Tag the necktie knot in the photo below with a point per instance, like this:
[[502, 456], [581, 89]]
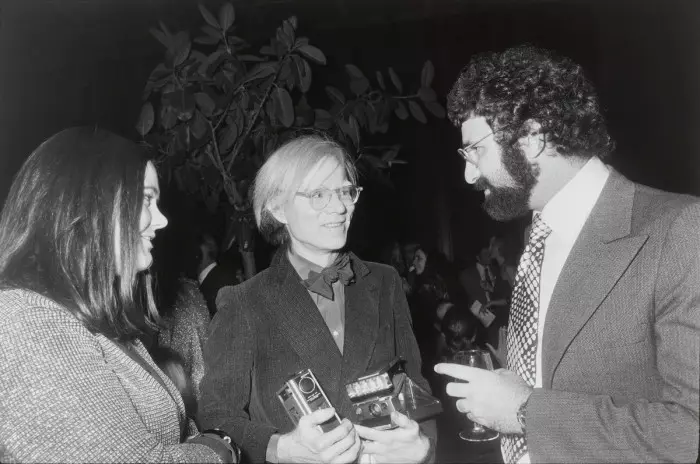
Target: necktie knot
[[540, 230], [322, 282]]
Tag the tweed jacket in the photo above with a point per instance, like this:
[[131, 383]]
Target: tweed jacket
[[621, 342], [68, 395], [269, 328]]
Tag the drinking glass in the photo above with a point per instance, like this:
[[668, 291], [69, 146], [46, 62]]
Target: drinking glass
[[482, 360]]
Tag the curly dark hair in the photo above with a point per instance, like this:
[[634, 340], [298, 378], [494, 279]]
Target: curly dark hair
[[528, 83]]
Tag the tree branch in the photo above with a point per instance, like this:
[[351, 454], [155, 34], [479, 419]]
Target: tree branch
[[239, 142]]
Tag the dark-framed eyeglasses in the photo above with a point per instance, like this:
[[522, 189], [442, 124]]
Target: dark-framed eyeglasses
[[319, 198]]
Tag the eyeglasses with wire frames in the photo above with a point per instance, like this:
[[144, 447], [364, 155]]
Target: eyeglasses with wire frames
[[319, 198], [473, 153]]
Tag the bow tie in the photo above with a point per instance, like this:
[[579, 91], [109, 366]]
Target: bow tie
[[322, 283]]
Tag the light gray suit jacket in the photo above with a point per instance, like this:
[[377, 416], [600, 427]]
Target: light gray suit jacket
[[621, 343]]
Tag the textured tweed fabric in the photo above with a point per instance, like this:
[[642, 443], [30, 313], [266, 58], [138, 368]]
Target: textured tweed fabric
[[72, 396]]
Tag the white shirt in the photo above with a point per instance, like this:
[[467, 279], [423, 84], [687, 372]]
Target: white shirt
[[565, 214]]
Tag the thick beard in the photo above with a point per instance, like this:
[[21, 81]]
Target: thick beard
[[507, 203]]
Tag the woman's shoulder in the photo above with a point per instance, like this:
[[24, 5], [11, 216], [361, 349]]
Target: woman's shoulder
[[29, 318], [25, 306]]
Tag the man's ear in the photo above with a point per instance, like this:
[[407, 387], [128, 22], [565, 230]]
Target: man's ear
[[534, 143], [277, 211]]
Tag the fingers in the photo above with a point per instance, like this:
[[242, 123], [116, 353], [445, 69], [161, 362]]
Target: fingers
[[407, 430], [318, 417], [367, 433], [336, 450], [458, 389], [404, 422], [350, 454], [338, 434], [460, 372]]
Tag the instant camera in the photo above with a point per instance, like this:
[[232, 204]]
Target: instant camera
[[376, 395]]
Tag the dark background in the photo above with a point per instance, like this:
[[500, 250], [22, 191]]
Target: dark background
[[70, 62]]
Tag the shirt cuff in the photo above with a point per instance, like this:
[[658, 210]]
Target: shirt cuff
[[271, 453]]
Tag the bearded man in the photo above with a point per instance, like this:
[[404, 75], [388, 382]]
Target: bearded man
[[603, 352]]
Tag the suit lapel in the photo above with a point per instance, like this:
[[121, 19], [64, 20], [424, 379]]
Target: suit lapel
[[361, 320], [303, 326], [601, 254]]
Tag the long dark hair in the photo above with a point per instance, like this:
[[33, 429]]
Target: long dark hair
[[76, 195]]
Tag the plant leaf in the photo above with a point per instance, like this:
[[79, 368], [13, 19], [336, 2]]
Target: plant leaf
[[395, 79], [267, 50], [208, 17], [250, 58], [146, 119], [168, 117], [260, 70], [323, 119], [198, 125], [205, 103], [304, 73], [289, 31], [355, 131], [380, 80], [417, 111], [313, 53], [228, 138], [335, 94], [226, 16], [436, 108], [427, 94], [285, 107], [359, 86], [206, 40], [160, 36], [427, 74], [375, 162], [354, 71], [401, 111], [180, 48]]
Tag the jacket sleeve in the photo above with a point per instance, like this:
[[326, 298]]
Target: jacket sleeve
[[61, 402], [562, 426], [407, 348], [229, 358]]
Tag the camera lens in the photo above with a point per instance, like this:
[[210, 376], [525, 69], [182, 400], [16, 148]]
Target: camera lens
[[306, 385], [375, 409]]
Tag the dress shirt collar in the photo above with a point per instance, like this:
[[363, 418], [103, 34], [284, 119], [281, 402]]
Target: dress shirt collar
[[205, 272], [568, 210], [302, 265]]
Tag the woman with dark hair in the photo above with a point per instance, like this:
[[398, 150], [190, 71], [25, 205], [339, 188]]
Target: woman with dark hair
[[317, 306], [75, 296]]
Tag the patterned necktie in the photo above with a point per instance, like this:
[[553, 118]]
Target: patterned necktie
[[522, 326], [322, 282]]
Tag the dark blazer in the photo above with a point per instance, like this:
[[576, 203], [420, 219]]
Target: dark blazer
[[219, 277], [621, 343], [268, 328]]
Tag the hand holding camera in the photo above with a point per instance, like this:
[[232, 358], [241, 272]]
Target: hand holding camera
[[403, 444], [307, 442]]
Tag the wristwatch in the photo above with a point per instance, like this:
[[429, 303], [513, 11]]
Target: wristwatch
[[235, 450], [521, 413]]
